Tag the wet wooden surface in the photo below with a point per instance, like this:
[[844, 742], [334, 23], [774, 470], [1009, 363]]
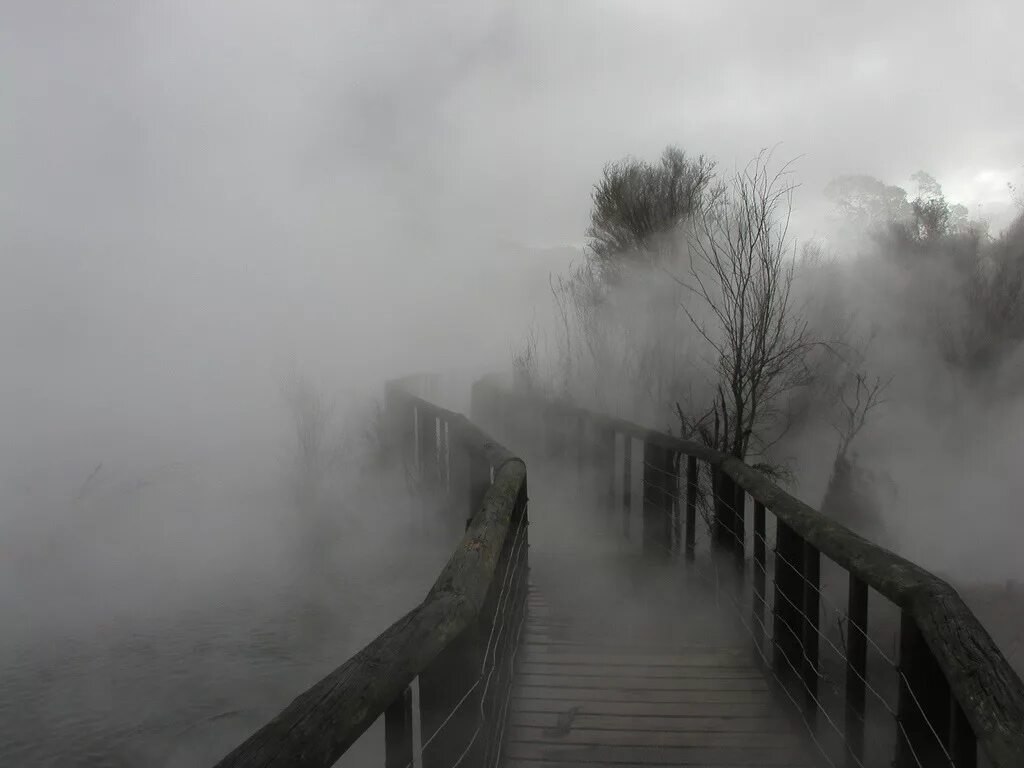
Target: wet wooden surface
[[586, 698]]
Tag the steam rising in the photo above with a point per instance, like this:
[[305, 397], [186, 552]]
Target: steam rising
[[202, 202]]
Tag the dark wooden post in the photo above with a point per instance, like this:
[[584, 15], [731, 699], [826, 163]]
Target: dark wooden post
[[398, 732], [657, 520], [856, 669], [811, 604], [757, 620], [739, 526], [725, 510], [923, 708], [963, 744], [691, 506], [627, 481], [788, 601]]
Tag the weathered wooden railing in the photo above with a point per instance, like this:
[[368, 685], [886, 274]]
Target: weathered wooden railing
[[459, 643], [954, 691]]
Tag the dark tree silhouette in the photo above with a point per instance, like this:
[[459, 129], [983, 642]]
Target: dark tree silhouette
[[638, 206], [742, 272]]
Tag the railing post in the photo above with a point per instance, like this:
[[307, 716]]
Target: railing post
[[788, 601], [923, 707], [657, 520], [856, 669], [963, 744], [811, 605], [739, 526], [691, 506], [398, 732], [724, 492], [757, 620]]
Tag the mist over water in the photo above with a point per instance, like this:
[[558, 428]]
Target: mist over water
[[201, 203]]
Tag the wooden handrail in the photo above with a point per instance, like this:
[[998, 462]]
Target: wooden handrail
[[324, 721], [987, 688]]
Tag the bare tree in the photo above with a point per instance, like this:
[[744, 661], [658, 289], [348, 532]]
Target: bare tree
[[741, 271], [566, 358], [852, 493], [525, 362], [857, 398]]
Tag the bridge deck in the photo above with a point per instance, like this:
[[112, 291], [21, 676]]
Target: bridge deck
[[586, 701], [628, 660]]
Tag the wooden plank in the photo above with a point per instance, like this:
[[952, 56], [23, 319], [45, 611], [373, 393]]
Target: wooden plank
[[637, 671], [599, 657], [638, 724], [624, 738], [654, 697], [602, 754], [702, 708], [630, 683], [585, 700], [640, 647], [597, 642]]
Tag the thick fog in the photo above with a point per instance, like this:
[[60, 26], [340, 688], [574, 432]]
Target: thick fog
[[202, 204], [199, 199]]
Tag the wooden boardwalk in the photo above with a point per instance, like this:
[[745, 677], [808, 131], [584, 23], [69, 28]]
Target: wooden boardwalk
[[644, 605], [579, 701], [644, 608]]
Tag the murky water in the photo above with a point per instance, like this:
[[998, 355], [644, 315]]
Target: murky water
[[142, 658]]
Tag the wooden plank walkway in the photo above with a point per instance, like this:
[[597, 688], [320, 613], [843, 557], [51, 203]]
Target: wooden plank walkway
[[580, 702]]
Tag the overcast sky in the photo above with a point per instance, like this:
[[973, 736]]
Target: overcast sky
[[498, 113], [192, 191]]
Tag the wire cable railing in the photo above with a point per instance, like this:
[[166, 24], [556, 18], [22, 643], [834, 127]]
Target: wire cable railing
[[458, 646], [945, 697]]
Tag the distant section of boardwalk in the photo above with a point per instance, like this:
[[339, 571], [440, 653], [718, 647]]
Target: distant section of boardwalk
[[579, 702]]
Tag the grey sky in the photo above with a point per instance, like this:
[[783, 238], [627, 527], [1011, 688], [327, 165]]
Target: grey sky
[[499, 113], [195, 191]]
